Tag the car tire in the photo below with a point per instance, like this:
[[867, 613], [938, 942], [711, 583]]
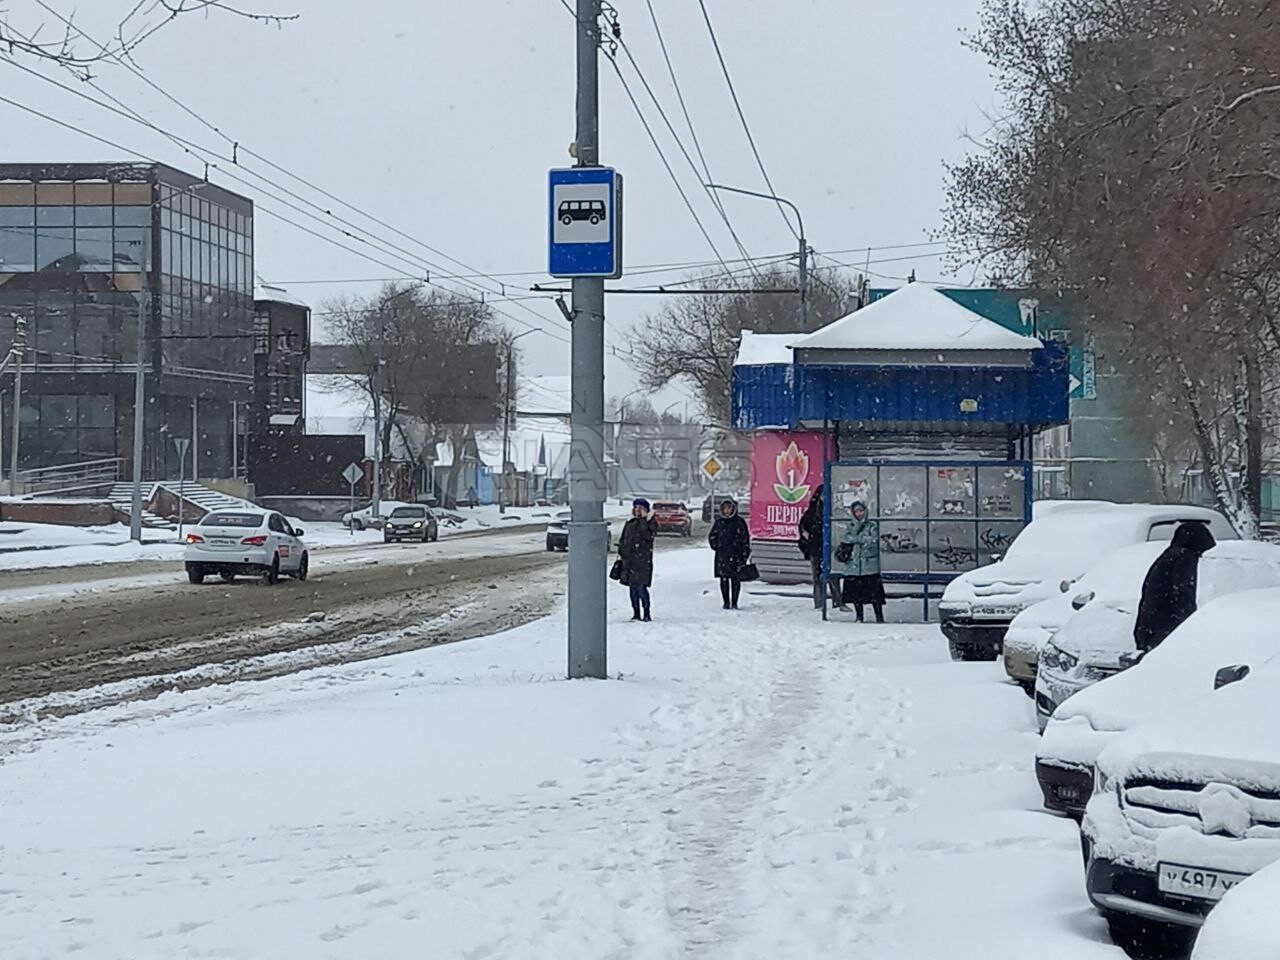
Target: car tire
[[301, 575], [195, 574], [1144, 939], [969, 654], [272, 575], [357, 524], [227, 576], [550, 547], [435, 535]]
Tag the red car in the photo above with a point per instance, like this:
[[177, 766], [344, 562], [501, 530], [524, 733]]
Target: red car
[[674, 518]]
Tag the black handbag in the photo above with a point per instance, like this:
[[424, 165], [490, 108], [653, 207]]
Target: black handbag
[[748, 572], [616, 572], [844, 552]]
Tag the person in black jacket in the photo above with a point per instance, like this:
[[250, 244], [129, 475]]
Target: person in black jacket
[[1169, 590], [731, 540], [635, 550], [811, 541]]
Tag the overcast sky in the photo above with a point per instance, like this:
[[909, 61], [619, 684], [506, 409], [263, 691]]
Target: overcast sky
[[443, 118]]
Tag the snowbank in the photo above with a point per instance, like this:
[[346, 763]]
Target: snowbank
[[1246, 924]]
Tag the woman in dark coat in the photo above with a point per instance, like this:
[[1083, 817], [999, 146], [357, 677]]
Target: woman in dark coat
[[635, 550], [731, 540], [811, 540], [1169, 590], [859, 551]]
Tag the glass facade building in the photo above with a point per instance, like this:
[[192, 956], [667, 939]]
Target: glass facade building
[[79, 243]]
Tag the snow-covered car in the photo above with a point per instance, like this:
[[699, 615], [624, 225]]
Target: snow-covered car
[[558, 532], [366, 519], [1108, 580], [413, 521], [1097, 537], [228, 543], [1097, 642], [1237, 628], [1186, 806], [1245, 924]]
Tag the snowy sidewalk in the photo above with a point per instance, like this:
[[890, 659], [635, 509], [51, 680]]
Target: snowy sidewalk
[[758, 784]]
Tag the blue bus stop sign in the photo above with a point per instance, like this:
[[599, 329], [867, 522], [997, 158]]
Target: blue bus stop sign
[[585, 219]]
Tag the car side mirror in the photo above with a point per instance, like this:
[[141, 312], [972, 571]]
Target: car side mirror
[[1065, 585], [1230, 675], [1081, 599], [299, 532], [1132, 658]]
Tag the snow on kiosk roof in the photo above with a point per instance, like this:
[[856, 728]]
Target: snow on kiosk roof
[[915, 317], [763, 349]]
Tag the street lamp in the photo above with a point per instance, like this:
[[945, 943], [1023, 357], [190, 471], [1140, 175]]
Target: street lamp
[[508, 414], [804, 249]]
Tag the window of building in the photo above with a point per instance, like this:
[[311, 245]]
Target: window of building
[[93, 216], [93, 249], [54, 248], [55, 216], [17, 249]]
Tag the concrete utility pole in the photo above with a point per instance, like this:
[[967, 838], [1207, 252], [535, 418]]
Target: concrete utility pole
[[588, 534], [377, 417], [139, 395], [804, 246]]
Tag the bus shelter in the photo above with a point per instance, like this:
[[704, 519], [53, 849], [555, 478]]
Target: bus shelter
[[927, 411]]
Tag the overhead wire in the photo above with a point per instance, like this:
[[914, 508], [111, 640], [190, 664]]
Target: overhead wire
[[237, 148], [751, 140]]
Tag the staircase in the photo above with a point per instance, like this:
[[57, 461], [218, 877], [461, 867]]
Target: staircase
[[203, 497], [121, 498]]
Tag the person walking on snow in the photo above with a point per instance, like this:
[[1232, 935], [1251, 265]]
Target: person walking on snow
[[859, 551], [1169, 590], [731, 540], [635, 550], [811, 543]]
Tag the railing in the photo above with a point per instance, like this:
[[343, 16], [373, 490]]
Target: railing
[[71, 477]]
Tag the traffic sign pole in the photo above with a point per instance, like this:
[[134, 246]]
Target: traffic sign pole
[[352, 474], [589, 553]]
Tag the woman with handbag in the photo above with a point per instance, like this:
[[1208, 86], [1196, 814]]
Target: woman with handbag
[[635, 558], [731, 540], [859, 552]]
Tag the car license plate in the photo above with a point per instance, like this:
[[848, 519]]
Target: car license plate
[[221, 541], [995, 611], [1196, 882]]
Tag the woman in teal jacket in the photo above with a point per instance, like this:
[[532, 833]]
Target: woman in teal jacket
[[859, 551]]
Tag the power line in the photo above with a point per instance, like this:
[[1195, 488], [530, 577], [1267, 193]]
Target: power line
[[267, 210], [202, 153], [129, 65], [663, 157], [724, 67], [704, 176]]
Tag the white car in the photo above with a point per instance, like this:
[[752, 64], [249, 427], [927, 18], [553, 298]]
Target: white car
[[1237, 628], [366, 519], [1186, 807], [1245, 924], [558, 533], [1067, 544], [1108, 580], [1097, 642], [228, 543]]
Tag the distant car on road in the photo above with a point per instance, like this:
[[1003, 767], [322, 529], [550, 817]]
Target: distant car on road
[[558, 532], [672, 517], [411, 522], [230, 543], [365, 519]]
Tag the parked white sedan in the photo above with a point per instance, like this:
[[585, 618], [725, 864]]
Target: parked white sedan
[[245, 542]]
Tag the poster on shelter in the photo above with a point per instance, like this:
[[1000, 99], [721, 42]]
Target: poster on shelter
[[785, 470]]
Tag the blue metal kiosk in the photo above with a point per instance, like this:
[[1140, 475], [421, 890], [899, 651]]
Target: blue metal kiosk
[[932, 409]]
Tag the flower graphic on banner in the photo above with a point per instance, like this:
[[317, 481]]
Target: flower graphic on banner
[[792, 467]]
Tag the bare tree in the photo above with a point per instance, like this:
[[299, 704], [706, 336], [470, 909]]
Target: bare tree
[[430, 386], [1134, 166], [61, 40], [694, 338]]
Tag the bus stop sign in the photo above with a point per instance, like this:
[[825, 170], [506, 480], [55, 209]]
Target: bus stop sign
[[585, 222]]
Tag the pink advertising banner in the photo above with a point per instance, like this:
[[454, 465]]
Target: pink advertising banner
[[785, 470]]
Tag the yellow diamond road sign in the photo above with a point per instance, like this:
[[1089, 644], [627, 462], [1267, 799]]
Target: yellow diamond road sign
[[712, 467]]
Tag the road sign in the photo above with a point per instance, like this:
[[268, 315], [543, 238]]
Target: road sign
[[585, 220], [353, 473], [1083, 376], [712, 467]]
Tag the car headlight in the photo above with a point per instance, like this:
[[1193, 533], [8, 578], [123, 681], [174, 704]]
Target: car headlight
[[1058, 658], [417, 524]]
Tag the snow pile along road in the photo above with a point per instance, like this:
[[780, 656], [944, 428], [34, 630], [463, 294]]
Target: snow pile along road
[[757, 784]]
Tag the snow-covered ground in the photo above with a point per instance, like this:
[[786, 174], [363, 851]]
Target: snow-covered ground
[[752, 784]]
